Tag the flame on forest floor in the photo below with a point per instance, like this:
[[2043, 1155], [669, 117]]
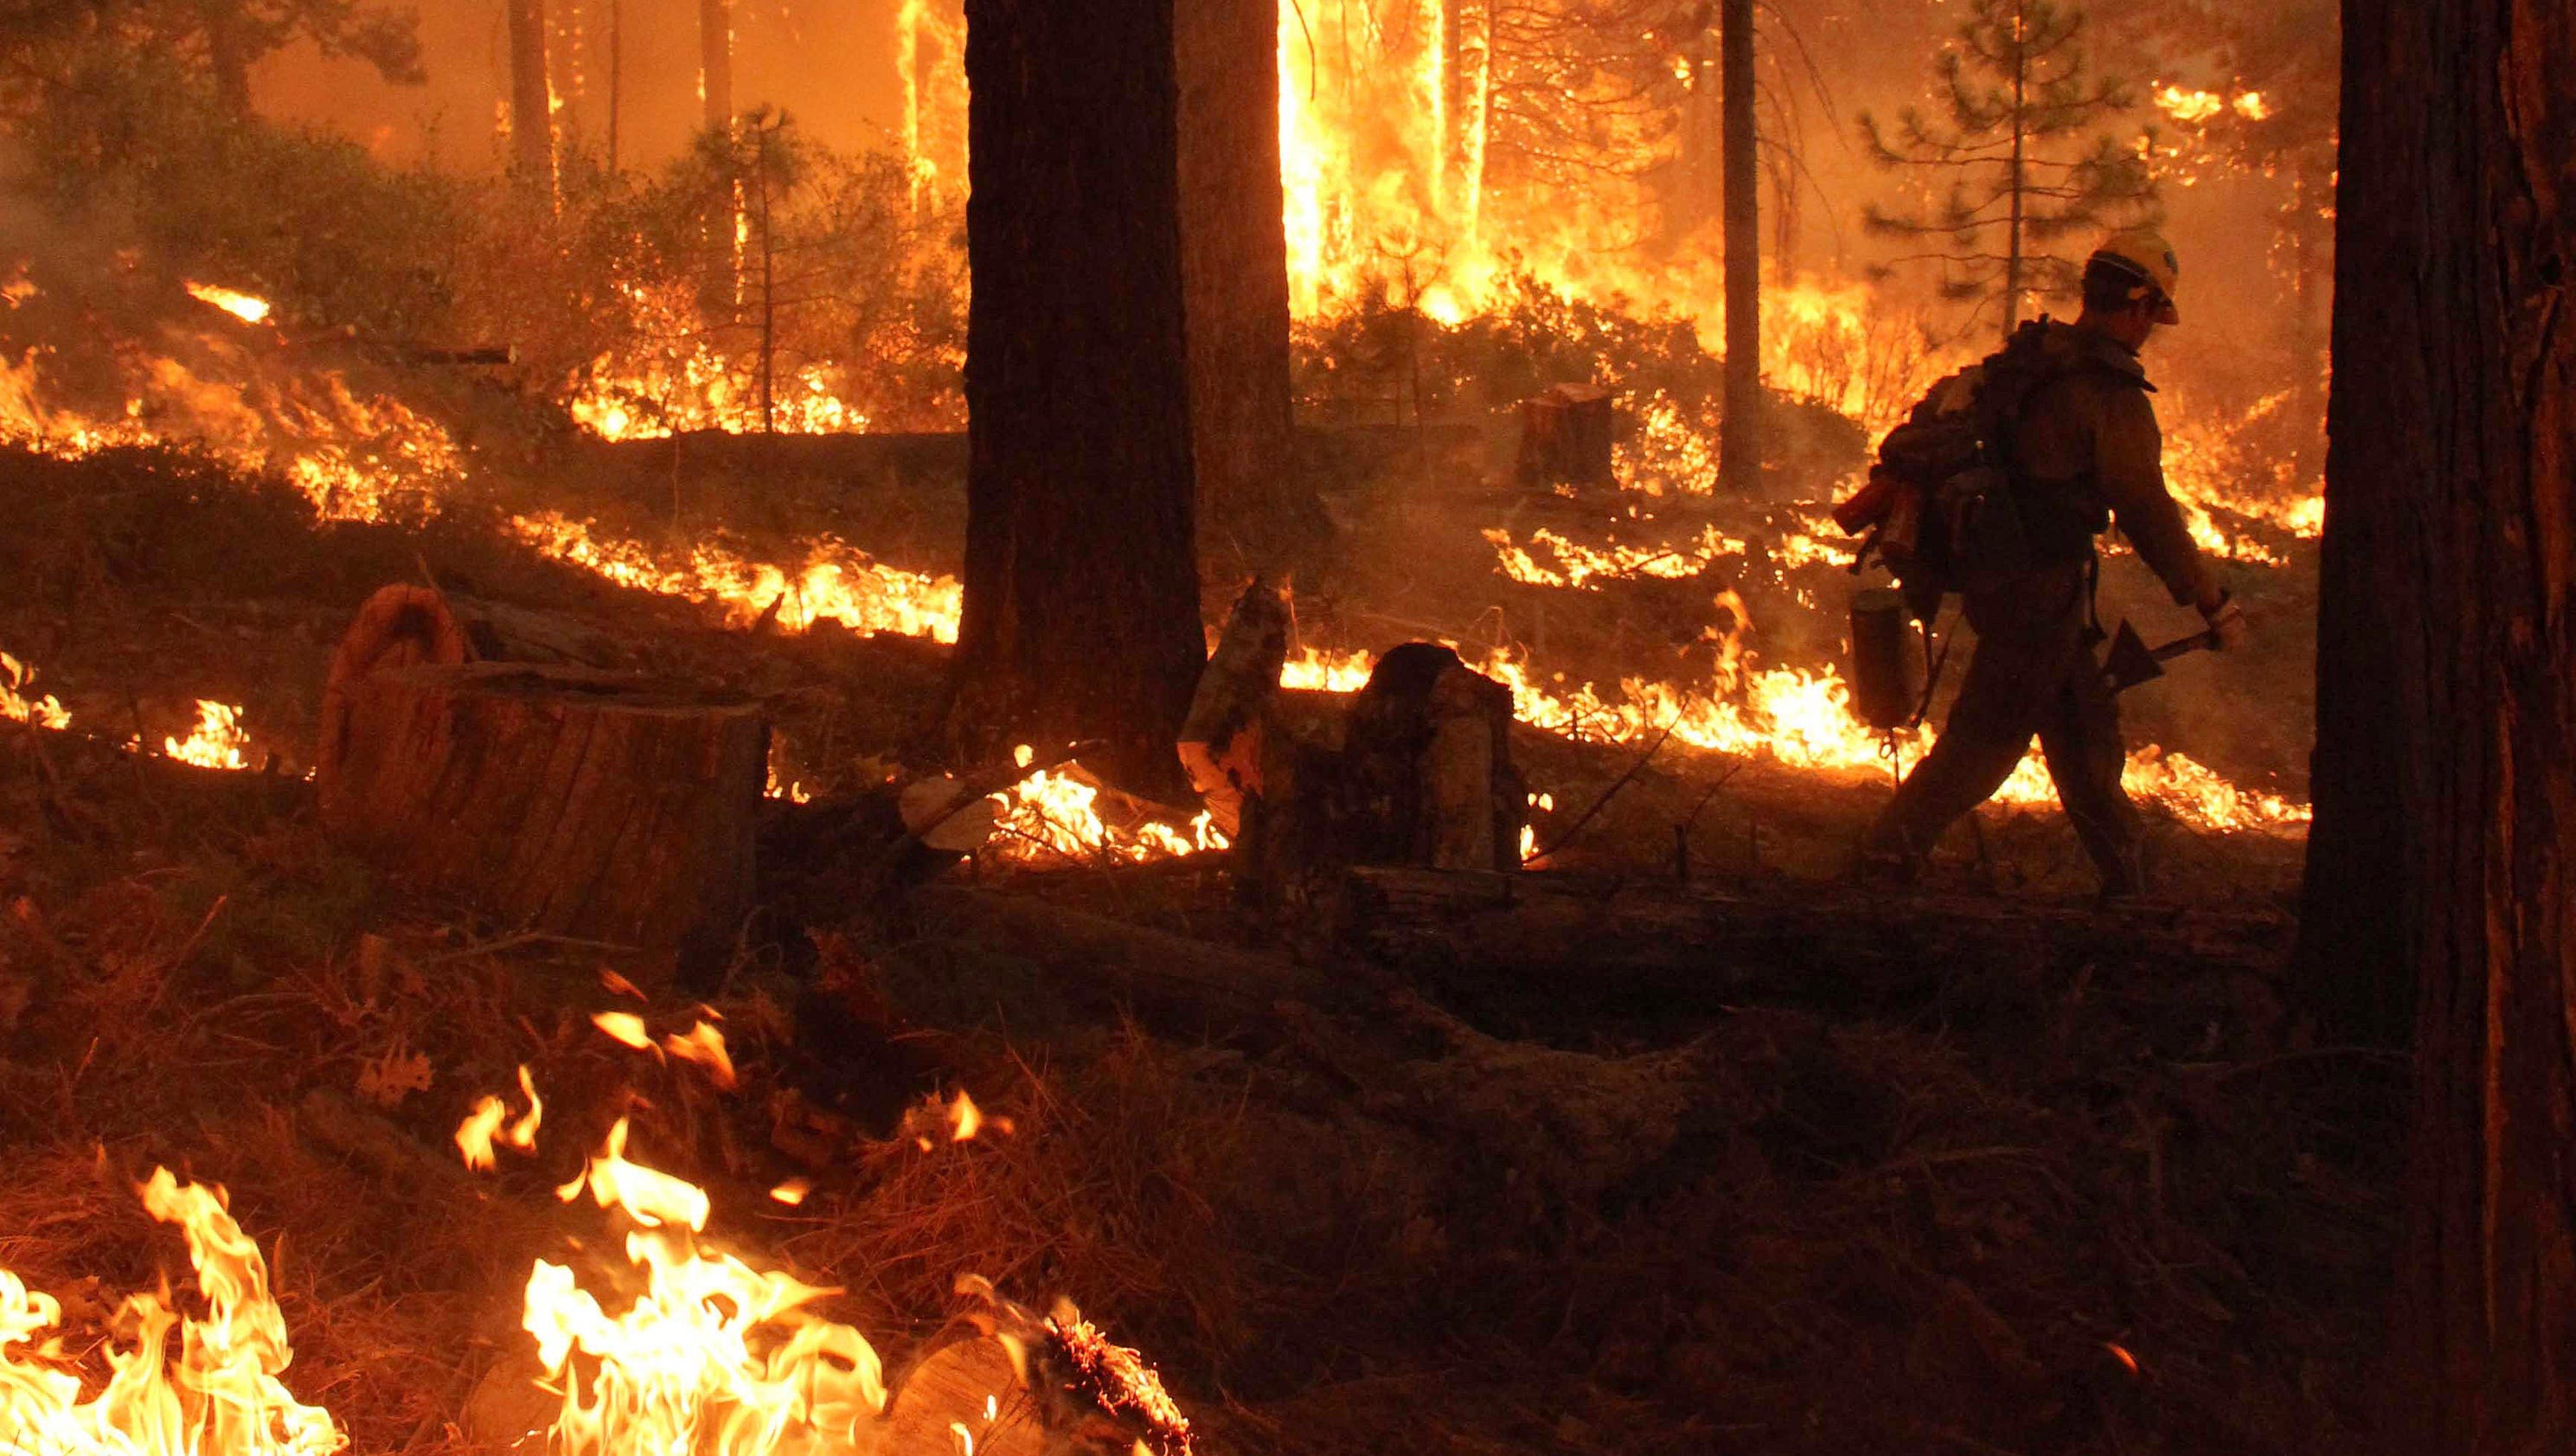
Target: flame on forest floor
[[249, 308], [21, 703], [218, 1393], [216, 742], [1803, 720], [837, 583], [490, 1125], [1057, 816], [711, 1355]]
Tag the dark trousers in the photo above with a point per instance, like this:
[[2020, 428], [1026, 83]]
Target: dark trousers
[[2033, 674]]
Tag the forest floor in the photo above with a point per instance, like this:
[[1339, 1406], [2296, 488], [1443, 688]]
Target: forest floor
[[1971, 1168]]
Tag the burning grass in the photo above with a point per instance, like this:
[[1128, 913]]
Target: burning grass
[[1867, 1225]]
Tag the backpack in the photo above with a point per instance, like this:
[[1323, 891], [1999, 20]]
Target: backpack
[[1939, 504]]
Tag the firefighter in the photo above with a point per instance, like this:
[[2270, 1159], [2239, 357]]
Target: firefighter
[[2084, 452]]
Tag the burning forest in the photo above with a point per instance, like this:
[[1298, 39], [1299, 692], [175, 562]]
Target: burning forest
[[939, 727]]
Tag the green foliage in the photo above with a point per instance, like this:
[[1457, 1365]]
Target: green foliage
[[138, 154], [2017, 164], [215, 42], [1532, 337]]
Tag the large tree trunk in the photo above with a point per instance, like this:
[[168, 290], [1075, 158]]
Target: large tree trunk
[[228, 54], [532, 118], [1740, 442], [1081, 615], [1234, 267], [715, 63], [2446, 752]]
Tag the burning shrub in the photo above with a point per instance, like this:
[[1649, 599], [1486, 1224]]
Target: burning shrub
[[762, 256]]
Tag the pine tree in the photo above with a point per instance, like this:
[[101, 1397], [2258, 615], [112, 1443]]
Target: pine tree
[[2026, 164]]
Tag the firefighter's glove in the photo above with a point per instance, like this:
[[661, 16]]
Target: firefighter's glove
[[2227, 630]]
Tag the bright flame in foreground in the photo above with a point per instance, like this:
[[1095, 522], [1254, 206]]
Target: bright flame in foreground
[[712, 1358], [218, 1396]]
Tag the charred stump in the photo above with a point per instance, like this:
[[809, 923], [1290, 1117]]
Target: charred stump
[[1230, 717], [1423, 776], [566, 800], [1566, 435], [412, 626]]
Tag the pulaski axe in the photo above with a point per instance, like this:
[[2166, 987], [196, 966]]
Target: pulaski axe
[[2131, 661]]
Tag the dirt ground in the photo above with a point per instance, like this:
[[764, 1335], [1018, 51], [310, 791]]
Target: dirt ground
[[1969, 1169]]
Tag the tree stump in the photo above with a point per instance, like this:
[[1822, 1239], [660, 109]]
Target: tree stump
[[1424, 777], [566, 800], [1565, 436], [405, 626]]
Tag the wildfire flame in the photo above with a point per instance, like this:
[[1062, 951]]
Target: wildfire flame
[[484, 1127], [837, 582], [246, 307], [1053, 814], [1803, 720], [712, 1356], [17, 683], [219, 1394], [704, 1045], [217, 741]]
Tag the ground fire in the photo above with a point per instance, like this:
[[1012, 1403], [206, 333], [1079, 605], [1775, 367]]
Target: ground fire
[[964, 729]]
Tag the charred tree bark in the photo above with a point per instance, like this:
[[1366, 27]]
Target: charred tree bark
[[1081, 614], [715, 63], [1740, 442], [2446, 752], [532, 119], [1234, 270]]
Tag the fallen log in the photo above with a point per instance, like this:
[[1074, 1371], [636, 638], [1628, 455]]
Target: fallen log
[[1179, 987], [1562, 943], [565, 800]]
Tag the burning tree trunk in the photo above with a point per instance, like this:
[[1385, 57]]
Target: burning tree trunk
[[1081, 611], [1740, 444], [715, 63], [2446, 753], [1234, 268], [532, 120]]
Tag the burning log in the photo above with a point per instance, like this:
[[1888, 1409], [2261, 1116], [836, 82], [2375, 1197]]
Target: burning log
[[567, 800], [1565, 436]]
